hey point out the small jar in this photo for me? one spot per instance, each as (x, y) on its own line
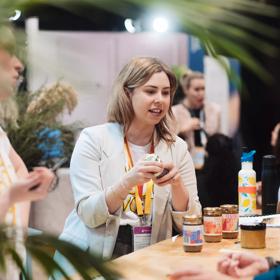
(212, 221)
(230, 221)
(192, 233)
(253, 236)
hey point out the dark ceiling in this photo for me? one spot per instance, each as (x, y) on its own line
(77, 17)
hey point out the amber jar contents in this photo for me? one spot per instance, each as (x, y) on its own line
(230, 221)
(253, 236)
(192, 233)
(212, 221)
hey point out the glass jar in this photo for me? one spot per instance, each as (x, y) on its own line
(192, 233)
(253, 236)
(230, 221)
(212, 221)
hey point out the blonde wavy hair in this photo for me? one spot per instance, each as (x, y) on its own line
(135, 74)
(191, 75)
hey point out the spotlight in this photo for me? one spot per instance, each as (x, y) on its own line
(128, 23)
(16, 16)
(160, 24)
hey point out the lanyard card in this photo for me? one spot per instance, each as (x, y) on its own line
(141, 237)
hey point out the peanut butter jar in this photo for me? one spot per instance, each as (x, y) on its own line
(230, 220)
(192, 233)
(212, 221)
(253, 236)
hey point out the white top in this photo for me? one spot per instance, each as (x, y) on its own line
(129, 217)
(7, 177)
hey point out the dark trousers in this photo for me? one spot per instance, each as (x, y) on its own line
(123, 242)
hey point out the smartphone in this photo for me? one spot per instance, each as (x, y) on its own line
(58, 164)
(53, 169)
(163, 173)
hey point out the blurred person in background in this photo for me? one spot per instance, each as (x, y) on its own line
(234, 266)
(196, 119)
(8, 107)
(217, 181)
(275, 144)
(17, 186)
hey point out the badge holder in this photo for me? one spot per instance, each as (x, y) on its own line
(141, 235)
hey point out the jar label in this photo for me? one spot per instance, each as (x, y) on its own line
(192, 235)
(212, 225)
(230, 222)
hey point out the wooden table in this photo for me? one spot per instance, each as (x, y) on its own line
(158, 260)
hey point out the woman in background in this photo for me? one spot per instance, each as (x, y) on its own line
(196, 119)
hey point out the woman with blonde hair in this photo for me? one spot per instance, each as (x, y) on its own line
(195, 118)
(18, 187)
(122, 203)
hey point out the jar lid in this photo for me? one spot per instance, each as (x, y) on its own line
(260, 226)
(192, 219)
(229, 208)
(212, 211)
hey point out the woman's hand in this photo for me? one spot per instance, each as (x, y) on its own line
(142, 172)
(34, 187)
(242, 265)
(173, 177)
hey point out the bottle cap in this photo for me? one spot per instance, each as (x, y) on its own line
(269, 160)
(248, 156)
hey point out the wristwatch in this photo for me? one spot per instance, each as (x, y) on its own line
(272, 262)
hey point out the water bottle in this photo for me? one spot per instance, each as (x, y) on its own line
(247, 189)
(270, 185)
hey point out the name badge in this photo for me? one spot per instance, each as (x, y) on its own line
(141, 237)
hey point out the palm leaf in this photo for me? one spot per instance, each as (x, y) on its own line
(46, 261)
(233, 26)
(86, 264)
(18, 261)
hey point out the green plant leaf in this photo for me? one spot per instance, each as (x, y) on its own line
(18, 261)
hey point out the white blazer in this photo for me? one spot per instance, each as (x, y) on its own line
(98, 162)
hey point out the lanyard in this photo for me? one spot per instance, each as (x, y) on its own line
(138, 190)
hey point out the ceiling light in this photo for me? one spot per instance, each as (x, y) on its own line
(16, 16)
(160, 24)
(128, 23)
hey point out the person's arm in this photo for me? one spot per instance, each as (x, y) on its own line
(272, 274)
(179, 193)
(34, 187)
(21, 171)
(5, 204)
(198, 273)
(184, 198)
(183, 122)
